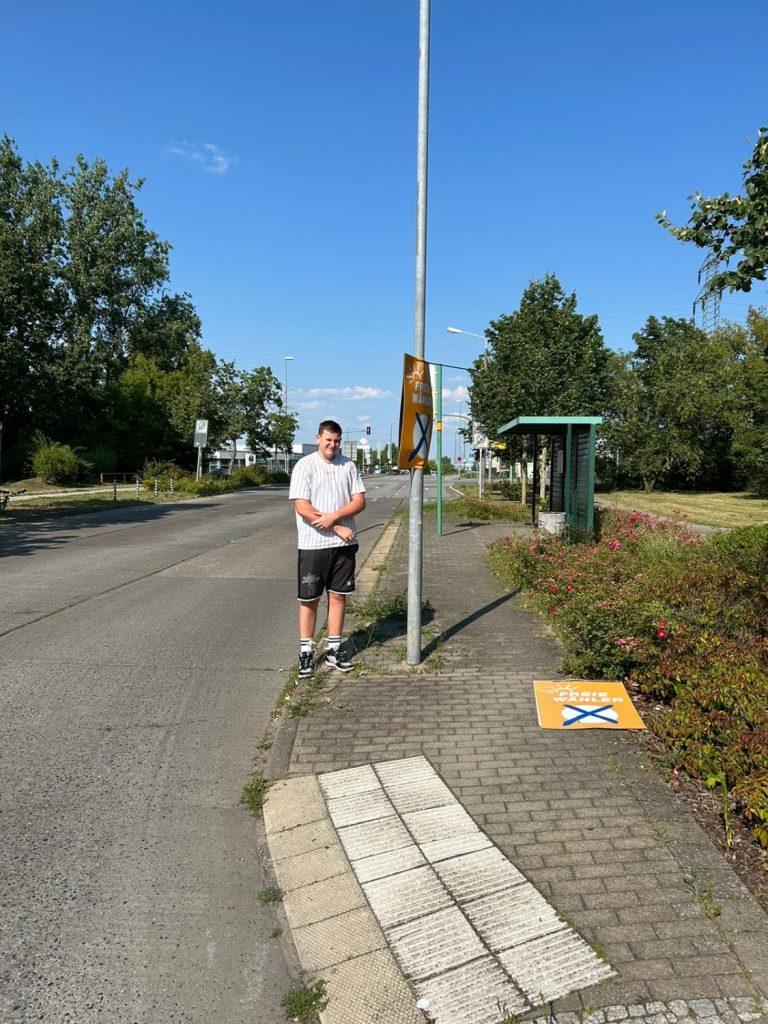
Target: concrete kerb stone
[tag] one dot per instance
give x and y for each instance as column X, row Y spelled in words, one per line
column 336, row 937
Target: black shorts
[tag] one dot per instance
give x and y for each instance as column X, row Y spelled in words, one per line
column 331, row 569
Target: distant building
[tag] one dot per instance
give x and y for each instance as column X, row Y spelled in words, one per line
column 219, row 461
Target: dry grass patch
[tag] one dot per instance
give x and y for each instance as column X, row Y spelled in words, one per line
column 713, row 508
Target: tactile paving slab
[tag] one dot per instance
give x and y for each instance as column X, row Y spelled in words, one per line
column 477, row 940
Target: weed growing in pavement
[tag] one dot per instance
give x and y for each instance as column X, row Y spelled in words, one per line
column 436, row 657
column 725, row 801
column 286, row 693
column 307, row 698
column 304, row 1003
column 264, row 744
column 703, row 894
column 255, row 793
column 272, row 894
column 276, row 932
column 380, row 609
column 507, row 1017
column 660, row 832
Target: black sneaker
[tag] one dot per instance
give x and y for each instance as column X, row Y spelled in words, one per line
column 306, row 665
column 336, row 659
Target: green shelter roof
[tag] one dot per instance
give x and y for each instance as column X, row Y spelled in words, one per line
column 547, row 424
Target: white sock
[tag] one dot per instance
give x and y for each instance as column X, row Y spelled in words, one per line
column 305, row 645
column 334, row 642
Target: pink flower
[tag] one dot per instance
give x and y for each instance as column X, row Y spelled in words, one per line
column 553, row 610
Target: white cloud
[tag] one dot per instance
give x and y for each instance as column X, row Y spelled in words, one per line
column 353, row 394
column 460, row 394
column 210, row 157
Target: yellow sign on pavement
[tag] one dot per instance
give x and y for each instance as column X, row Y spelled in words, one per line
column 583, row 704
column 416, row 415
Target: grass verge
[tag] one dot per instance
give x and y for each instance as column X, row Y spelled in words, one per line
column 704, row 508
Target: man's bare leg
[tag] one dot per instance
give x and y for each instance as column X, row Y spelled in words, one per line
column 337, row 607
column 308, row 618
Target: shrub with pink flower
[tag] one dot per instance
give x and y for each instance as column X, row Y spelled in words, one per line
column 685, row 617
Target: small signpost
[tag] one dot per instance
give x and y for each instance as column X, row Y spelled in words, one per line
column 201, row 440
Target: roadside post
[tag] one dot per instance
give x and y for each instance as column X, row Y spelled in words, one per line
column 201, row 440
column 439, row 429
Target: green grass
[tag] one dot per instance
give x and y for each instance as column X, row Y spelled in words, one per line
column 73, row 504
column 255, row 793
column 271, row 895
column 714, row 508
column 491, row 508
column 304, row 1003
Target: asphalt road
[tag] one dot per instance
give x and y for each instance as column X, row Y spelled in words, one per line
column 141, row 652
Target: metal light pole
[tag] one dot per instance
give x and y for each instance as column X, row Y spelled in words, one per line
column 481, row 460
column 288, row 359
column 416, row 506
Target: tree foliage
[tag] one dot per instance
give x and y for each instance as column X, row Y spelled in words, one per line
column 750, row 440
column 95, row 352
column 673, row 406
column 545, row 359
column 733, row 226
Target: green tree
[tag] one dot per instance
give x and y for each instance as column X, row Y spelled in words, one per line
column 80, row 296
column 113, row 264
column 282, row 430
column 243, row 401
column 545, row 359
column 190, row 393
column 32, row 299
column 750, row 442
column 166, row 330
column 733, row 225
column 673, row 404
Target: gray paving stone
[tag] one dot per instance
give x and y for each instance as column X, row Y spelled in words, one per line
column 476, row 721
column 703, row 1007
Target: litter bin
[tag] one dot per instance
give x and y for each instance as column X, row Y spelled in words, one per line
column 552, row 522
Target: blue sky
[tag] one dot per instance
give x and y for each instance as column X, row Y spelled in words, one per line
column 277, row 141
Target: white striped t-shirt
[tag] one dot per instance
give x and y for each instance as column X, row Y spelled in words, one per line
column 329, row 486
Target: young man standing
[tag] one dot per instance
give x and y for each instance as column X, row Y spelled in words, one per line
column 327, row 493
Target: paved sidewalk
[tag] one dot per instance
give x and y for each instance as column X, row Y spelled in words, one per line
column 619, row 860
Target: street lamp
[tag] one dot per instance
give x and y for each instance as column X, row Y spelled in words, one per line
column 288, row 359
column 469, row 334
column 481, row 462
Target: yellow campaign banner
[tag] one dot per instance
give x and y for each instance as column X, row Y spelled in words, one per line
column 416, row 415
column 580, row 704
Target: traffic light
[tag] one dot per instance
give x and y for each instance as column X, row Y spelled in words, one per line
column 368, row 430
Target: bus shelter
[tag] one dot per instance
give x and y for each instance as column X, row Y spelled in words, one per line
column 572, row 446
